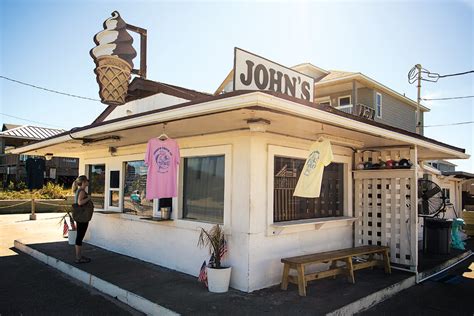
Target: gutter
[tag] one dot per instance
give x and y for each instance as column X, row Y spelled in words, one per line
column 238, row 101
column 373, row 82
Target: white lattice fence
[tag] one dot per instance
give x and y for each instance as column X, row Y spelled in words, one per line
column 385, row 205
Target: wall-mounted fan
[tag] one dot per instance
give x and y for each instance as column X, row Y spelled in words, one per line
column 431, row 199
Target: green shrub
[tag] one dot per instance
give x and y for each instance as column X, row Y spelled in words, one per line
column 49, row 191
column 52, row 191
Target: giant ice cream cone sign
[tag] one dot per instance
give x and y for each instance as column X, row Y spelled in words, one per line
column 113, row 57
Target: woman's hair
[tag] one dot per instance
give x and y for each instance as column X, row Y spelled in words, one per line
column 78, row 182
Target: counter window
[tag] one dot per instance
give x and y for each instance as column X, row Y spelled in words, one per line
column 286, row 207
column 203, row 189
column 134, row 200
column 97, row 185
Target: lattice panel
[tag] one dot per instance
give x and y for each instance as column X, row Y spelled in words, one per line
column 385, row 205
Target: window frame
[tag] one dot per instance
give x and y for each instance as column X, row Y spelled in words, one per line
column 323, row 100
column 222, row 150
column 342, row 97
column 280, row 151
column 377, row 105
column 155, row 205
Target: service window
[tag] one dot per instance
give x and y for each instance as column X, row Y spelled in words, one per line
column 134, row 193
column 97, row 185
column 203, row 188
column 287, row 207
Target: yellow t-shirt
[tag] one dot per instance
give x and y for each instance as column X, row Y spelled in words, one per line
column 309, row 183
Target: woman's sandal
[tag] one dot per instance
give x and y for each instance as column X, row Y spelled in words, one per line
column 83, row 260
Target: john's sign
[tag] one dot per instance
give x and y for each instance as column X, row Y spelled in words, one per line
column 252, row 72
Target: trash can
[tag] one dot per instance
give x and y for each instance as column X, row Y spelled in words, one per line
column 437, row 236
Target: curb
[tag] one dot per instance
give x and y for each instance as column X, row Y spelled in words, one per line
column 374, row 298
column 423, row 276
column 137, row 302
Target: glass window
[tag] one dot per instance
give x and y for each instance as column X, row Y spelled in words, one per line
column 97, row 184
column 203, row 189
column 134, row 200
column 378, row 103
column 287, row 207
column 344, row 100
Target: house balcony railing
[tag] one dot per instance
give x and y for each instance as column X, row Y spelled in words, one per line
column 360, row 109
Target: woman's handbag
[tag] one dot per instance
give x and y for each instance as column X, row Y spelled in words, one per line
column 82, row 213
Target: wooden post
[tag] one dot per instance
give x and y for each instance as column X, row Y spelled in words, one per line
column 33, row 210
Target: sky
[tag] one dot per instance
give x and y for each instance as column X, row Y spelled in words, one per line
column 191, row 44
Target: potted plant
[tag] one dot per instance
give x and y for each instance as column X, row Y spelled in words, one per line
column 69, row 229
column 218, row 277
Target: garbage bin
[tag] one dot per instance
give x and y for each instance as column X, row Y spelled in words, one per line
column 437, row 236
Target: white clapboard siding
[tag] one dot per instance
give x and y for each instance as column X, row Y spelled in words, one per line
column 386, row 205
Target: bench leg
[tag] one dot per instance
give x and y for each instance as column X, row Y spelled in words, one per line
column 284, row 278
column 333, row 266
column 350, row 270
column 371, row 258
column 301, row 280
column 386, row 260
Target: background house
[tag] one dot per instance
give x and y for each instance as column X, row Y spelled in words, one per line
column 357, row 94
column 59, row 170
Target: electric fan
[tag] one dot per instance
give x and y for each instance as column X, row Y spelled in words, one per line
column 431, row 199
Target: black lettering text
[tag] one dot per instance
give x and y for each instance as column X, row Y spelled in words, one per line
column 305, row 91
column 261, row 77
column 275, row 81
column 247, row 81
column 290, row 85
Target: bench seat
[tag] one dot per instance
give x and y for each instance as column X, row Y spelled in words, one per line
column 299, row 263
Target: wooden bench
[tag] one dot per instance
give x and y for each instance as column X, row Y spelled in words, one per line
column 345, row 255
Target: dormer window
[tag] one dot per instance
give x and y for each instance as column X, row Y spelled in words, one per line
column 345, row 100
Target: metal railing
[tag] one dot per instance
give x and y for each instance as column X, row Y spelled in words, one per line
column 360, row 109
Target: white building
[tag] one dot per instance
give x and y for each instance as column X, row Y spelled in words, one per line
column 248, row 148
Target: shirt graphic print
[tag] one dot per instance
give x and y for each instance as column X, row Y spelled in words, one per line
column 309, row 183
column 162, row 158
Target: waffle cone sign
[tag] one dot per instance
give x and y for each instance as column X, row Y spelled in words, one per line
column 113, row 77
column 113, row 57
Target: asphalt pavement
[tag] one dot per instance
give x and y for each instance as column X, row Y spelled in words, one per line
column 29, row 287
column 449, row 293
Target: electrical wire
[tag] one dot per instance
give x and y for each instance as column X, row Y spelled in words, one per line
column 451, row 98
column 49, row 90
column 430, row 76
column 456, row 74
column 23, row 119
column 451, row 124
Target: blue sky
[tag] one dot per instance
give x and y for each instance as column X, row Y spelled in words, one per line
column 190, row 44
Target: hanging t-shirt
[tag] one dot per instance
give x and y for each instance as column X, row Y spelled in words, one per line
column 309, row 183
column 162, row 158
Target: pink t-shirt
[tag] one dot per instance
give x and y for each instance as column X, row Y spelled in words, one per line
column 162, row 158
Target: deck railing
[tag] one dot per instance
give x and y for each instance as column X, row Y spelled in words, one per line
column 360, row 109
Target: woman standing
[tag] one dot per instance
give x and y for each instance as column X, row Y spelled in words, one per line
column 81, row 198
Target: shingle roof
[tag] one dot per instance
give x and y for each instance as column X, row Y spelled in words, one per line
column 31, row 132
column 336, row 74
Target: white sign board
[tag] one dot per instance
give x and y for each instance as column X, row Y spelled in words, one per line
column 252, row 72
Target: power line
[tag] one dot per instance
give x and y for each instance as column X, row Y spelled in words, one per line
column 451, row 98
column 427, row 75
column 451, row 124
column 49, row 90
column 23, row 119
column 456, row 74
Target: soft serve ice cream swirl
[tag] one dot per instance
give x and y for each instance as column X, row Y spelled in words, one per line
column 114, row 40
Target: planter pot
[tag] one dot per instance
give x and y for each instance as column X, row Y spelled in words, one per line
column 71, row 236
column 218, row 279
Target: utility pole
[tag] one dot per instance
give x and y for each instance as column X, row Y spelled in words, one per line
column 417, row 116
